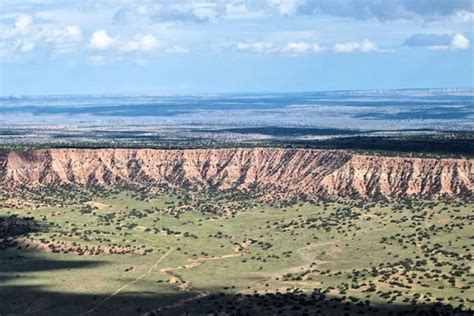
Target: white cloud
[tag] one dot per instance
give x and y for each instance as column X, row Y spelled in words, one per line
column 459, row 41
column 27, row 46
column 64, row 40
column 257, row 47
column 365, row 46
column 290, row 48
column 286, row 7
column 14, row 49
column 23, row 23
column 103, row 59
column 238, row 10
column 101, row 40
column 149, row 43
column 463, row 16
column 73, row 31
column 21, row 27
column 23, row 35
column 176, row 50
column 142, row 42
column 318, row 49
column 142, row 9
column 206, row 13
column 97, row 60
column 297, row 48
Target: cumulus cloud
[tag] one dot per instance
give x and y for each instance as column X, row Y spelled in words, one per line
column 297, row 48
column 65, row 39
column 23, row 23
column 104, row 59
column 257, row 47
column 176, row 50
column 149, row 43
column 97, row 60
column 23, row 35
column 463, row 16
column 290, row 48
column 27, row 46
column 459, row 41
column 286, row 7
column 318, row 49
column 238, row 10
column 101, row 40
column 146, row 43
column 22, row 26
column 438, row 41
column 365, row 46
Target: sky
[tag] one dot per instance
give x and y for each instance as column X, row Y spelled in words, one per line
column 233, row 46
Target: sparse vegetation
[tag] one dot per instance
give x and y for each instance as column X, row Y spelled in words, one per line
column 198, row 252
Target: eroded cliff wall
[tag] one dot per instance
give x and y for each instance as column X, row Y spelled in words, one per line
column 311, row 172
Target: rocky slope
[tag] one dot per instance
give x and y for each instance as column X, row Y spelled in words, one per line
column 268, row 171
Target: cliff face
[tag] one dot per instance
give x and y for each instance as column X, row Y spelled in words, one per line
column 290, row 172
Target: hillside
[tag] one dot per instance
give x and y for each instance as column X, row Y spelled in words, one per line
column 266, row 171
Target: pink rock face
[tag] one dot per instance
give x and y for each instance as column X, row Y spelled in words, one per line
column 288, row 172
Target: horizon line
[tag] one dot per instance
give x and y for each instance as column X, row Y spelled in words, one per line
column 9, row 96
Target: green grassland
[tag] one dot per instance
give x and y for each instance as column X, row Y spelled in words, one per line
column 227, row 254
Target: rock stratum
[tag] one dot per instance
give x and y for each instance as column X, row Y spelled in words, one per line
column 265, row 171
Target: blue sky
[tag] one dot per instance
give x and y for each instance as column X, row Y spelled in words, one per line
column 206, row 46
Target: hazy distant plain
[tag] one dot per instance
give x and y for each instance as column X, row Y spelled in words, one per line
column 365, row 110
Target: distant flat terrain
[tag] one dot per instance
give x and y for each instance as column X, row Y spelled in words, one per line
column 430, row 122
column 374, row 109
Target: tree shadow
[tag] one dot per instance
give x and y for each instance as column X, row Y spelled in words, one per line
column 15, row 260
column 303, row 304
column 12, row 227
column 22, row 300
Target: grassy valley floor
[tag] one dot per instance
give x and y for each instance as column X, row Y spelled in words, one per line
column 129, row 253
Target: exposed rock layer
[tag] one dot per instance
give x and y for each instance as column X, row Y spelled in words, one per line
column 291, row 172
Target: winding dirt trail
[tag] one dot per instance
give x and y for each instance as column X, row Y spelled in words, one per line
column 185, row 285
column 150, row 270
column 170, row 271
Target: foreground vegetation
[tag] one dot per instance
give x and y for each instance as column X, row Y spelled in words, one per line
column 127, row 252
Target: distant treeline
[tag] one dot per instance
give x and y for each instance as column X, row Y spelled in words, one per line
column 428, row 145
column 285, row 131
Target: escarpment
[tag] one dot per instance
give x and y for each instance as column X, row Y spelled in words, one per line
column 290, row 172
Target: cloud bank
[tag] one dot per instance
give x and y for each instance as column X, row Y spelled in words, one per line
column 144, row 28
